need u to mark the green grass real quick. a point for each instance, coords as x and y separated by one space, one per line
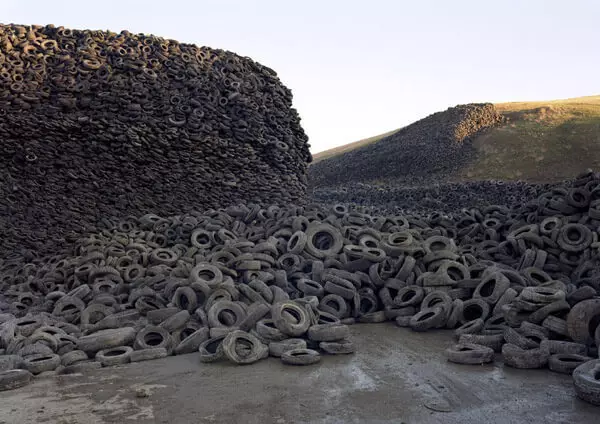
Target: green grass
540 141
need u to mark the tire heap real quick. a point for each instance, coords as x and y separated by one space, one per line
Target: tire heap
426 151
446 197
95 124
243 283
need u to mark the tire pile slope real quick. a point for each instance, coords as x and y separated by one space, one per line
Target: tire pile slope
243 283
425 151
96 124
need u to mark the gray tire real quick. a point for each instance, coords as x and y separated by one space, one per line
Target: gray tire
469 353
300 357
114 356
14 379
105 339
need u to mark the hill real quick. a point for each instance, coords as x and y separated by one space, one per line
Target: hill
533 141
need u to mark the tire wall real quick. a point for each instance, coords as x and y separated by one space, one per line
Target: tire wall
96 124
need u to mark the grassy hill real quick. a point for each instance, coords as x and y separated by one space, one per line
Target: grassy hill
537 141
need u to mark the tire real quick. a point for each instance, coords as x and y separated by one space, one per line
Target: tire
455 314
221 306
151 337
176 321
11 362
516 357
256 311
586 379
148 354
471 327
105 339
243 348
192 342
512 336
114 356
582 321
300 357
328 332
565 363
563 347
475 309
290 318
427 319
81 367
409 296
36 364
492 287
469 353
211 350
276 349
14 379
267 330
373 317
73 357
342 347
492 341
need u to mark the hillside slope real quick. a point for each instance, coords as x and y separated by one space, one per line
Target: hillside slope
539 141
535 141
434 146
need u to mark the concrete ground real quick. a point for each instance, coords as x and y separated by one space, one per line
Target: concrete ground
396 376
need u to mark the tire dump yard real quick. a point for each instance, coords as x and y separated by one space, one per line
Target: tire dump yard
161 224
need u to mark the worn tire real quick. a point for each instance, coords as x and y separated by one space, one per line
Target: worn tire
586 379
565 363
328 332
114 356
36 364
583 319
148 354
300 357
276 349
211 350
243 348
105 339
516 357
14 379
341 347
469 353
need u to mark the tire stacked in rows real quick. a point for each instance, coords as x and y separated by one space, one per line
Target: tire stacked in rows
244 282
96 124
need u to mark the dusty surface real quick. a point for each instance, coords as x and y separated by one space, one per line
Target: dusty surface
396 377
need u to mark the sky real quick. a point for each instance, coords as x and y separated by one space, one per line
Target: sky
361 68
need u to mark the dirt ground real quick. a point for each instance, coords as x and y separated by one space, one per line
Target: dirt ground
396 376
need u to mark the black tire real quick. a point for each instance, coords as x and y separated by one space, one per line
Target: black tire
471 327
495 341
427 319
37 364
153 336
516 357
276 349
81 367
492 287
328 332
14 379
232 308
73 357
469 353
342 347
582 321
586 379
105 339
11 362
565 363
211 350
557 346
290 318
300 357
114 356
192 342
148 354
475 309
243 348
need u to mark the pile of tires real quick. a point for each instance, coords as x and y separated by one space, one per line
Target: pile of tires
244 282
96 124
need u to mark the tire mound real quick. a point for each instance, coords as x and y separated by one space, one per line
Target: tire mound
95 124
245 282
426 151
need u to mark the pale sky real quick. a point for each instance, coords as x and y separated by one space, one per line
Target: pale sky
361 68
